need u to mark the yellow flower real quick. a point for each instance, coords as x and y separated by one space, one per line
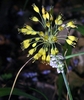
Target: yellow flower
36 9
48 24
35 19
28 27
71 24
43 10
37 39
31 51
52 51
48 58
34 32
34 44
44 57
41 33
73 38
56 51
23 30
44 16
37 56
60 28
70 42
58 20
25 44
59 17
47 15
41 50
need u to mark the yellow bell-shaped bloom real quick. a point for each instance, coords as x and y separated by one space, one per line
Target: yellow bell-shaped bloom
34 32
44 16
48 58
59 17
71 24
47 15
28 27
41 33
35 19
44 57
52 51
37 39
34 44
56 51
60 28
36 9
23 30
29 32
31 51
58 22
41 50
43 10
48 24
37 56
70 42
73 38
25 44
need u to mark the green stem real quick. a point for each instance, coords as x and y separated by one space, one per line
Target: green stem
67 86
74 55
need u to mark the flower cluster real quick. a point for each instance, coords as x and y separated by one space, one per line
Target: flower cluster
44 43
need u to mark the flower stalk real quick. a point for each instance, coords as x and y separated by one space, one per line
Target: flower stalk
67 86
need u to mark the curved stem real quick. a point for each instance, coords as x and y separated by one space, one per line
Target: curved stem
67 86
17 77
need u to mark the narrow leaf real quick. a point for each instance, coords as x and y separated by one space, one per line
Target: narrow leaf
80 28
6 91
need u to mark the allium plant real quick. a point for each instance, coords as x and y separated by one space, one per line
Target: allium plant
44 43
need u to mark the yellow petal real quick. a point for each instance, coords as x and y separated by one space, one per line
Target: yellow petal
70 42
28 27
59 17
71 24
44 57
44 16
56 51
35 19
58 22
37 39
48 58
37 56
60 28
31 51
25 44
52 51
41 51
47 15
41 33
43 10
36 9
34 32
73 38
34 44
48 24
28 32
23 30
